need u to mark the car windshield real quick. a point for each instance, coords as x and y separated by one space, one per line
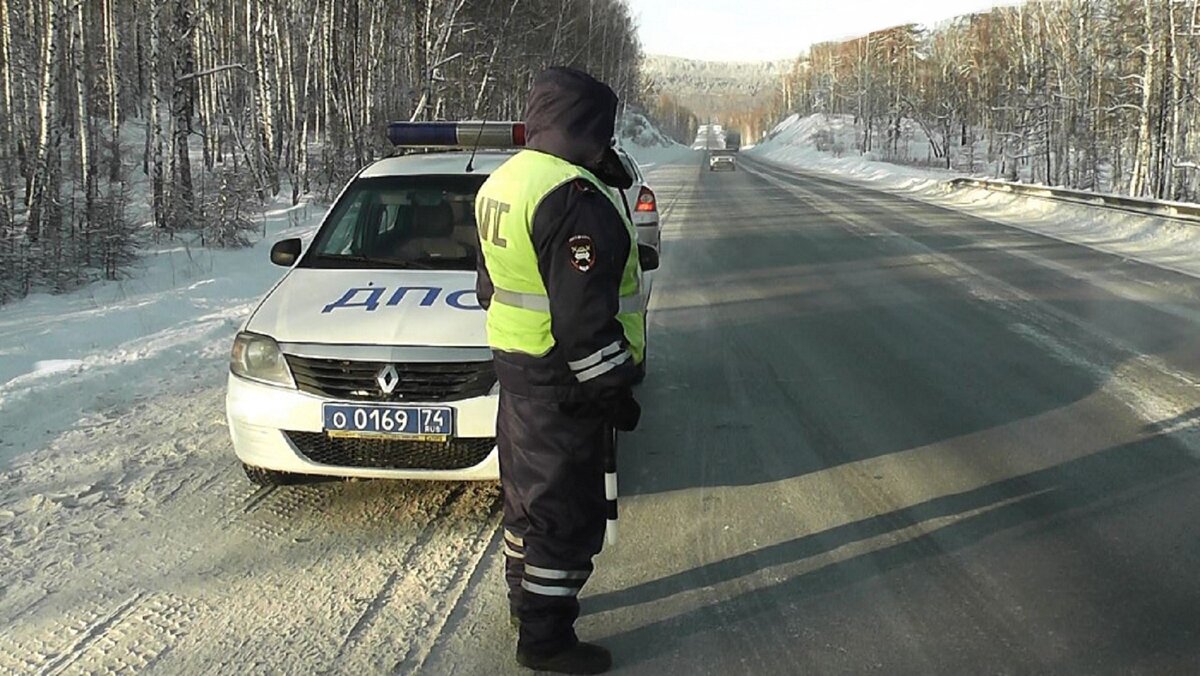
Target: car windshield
417 222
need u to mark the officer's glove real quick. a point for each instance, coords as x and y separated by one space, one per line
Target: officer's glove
624 412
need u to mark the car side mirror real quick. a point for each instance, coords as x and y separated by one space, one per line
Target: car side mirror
647 257
285 252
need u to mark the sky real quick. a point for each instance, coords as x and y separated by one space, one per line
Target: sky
756 30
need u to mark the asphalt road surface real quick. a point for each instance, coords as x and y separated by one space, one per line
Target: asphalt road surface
879 436
882 436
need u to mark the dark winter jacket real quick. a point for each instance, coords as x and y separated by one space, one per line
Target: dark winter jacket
571 115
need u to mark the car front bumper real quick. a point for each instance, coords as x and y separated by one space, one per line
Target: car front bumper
267 425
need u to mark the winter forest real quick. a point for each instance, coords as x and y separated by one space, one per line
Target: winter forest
127 122
1089 94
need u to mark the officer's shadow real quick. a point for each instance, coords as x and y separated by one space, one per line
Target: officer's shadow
1119 478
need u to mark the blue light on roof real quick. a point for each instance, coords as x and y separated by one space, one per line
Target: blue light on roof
457 134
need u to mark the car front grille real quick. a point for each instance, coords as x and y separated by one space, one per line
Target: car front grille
391 453
417 381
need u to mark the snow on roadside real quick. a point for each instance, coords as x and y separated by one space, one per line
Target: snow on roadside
1165 243
649 146
65 358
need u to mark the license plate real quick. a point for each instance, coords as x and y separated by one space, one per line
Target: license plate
422 423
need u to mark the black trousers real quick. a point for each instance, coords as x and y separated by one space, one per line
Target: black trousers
552 474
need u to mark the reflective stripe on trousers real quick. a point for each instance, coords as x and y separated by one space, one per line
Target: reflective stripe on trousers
514 546
553 581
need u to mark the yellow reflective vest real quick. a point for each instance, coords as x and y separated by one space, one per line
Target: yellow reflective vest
518 319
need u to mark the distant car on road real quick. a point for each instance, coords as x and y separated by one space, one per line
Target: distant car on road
719 160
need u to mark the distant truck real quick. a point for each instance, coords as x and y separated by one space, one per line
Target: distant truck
733 141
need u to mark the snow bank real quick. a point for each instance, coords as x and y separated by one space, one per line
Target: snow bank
110 344
649 146
1165 243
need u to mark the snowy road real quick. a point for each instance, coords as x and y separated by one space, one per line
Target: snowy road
879 436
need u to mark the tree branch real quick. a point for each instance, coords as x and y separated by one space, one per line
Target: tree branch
211 71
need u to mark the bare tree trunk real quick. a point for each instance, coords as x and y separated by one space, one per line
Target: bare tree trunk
305 112
83 115
265 102
8 113
1174 189
426 63
1138 181
182 109
487 72
114 89
154 115
42 189
11 264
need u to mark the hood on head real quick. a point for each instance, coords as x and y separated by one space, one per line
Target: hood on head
572 115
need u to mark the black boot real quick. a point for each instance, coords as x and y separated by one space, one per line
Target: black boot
581 658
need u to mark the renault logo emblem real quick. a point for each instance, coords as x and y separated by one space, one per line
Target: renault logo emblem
388 379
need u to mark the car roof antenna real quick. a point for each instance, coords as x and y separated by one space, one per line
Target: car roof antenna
478 137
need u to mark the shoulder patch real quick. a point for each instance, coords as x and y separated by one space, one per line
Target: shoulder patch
583 185
583 253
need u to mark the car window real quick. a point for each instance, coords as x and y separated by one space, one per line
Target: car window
631 166
637 169
402 222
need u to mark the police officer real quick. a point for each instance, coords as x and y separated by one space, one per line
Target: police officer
560 279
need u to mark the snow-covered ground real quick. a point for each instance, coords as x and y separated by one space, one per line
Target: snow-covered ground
1170 244
75 356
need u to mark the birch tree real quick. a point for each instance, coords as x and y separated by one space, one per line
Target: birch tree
280 97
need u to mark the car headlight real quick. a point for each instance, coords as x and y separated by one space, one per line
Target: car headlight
257 357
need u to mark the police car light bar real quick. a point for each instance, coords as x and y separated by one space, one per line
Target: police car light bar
457 134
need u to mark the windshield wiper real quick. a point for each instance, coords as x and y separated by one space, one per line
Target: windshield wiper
353 258
444 262
393 263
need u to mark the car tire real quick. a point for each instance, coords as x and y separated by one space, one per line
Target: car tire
269 477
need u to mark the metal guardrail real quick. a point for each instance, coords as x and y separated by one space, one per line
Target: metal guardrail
1183 211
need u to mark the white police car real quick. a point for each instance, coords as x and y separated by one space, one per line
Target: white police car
642 202
369 358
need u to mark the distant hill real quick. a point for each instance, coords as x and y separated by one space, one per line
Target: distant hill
719 91
711 86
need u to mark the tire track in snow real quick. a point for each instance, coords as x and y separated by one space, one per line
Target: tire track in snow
128 639
372 609
464 576
398 627
94 534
